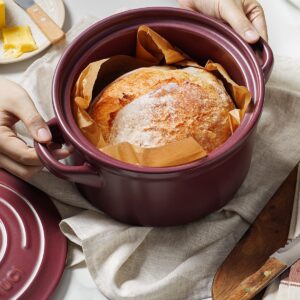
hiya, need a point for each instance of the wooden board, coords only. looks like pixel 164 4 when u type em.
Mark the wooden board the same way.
pixel 266 235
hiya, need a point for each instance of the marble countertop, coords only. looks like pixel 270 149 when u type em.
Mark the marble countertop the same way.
pixel 283 18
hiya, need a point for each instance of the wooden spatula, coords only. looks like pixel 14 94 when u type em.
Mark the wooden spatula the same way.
pixel 249 268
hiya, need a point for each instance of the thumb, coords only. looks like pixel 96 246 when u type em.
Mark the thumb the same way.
pixel 236 17
pixel 37 127
pixel 19 104
pixel 33 121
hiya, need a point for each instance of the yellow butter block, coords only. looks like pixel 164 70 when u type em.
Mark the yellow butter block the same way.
pixel 2 14
pixel 17 40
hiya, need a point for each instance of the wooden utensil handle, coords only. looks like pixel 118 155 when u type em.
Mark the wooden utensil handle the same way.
pixel 253 284
pixel 46 24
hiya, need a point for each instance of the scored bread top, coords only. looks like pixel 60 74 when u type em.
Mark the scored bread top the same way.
pixel 151 107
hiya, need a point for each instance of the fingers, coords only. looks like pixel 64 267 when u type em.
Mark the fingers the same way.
pixel 15 155
pixel 16 149
pixel 234 14
pixel 61 153
pixel 187 4
pixel 19 167
pixel 246 17
pixel 257 17
pixel 21 106
pixel 24 172
pixel 36 126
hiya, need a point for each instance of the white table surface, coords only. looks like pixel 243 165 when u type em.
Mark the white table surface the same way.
pixel 283 20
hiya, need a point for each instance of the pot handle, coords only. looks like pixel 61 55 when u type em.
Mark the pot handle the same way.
pixel 265 57
pixel 83 174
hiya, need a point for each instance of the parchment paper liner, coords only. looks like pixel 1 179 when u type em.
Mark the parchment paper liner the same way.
pixel 151 50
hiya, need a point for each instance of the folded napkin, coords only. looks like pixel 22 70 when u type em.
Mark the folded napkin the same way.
pixel 172 263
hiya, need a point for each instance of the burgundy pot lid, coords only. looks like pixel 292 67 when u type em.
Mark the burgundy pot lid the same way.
pixel 32 248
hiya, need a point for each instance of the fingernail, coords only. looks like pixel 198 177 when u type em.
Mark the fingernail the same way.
pixel 251 36
pixel 43 135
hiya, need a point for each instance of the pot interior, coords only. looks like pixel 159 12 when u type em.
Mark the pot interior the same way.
pixel 198 46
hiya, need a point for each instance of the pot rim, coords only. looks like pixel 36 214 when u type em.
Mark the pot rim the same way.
pixel 85 147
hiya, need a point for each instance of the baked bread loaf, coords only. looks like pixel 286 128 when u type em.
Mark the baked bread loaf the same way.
pixel 151 107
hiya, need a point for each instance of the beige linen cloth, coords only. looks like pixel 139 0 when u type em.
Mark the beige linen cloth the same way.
pixel 173 263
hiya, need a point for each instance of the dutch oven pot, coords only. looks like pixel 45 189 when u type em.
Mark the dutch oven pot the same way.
pixel 147 195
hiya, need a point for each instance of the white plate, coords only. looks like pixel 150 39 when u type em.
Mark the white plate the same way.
pixel 16 16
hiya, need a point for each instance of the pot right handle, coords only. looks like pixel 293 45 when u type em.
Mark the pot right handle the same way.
pixel 83 174
pixel 265 57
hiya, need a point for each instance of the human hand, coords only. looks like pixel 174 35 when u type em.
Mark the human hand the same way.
pixel 15 156
pixel 246 17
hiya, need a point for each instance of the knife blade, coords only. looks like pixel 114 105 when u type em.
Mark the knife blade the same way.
pixel 255 261
pixel 50 29
pixel 290 253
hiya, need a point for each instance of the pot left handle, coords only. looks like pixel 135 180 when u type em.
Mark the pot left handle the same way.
pixel 83 174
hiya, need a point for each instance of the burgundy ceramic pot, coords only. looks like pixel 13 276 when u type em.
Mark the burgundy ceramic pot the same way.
pixel 158 196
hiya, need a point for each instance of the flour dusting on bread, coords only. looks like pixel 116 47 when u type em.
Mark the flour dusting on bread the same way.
pixel 152 107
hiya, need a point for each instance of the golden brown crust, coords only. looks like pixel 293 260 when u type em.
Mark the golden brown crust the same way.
pixel 199 108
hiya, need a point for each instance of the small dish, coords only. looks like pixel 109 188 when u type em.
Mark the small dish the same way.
pixel 15 15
